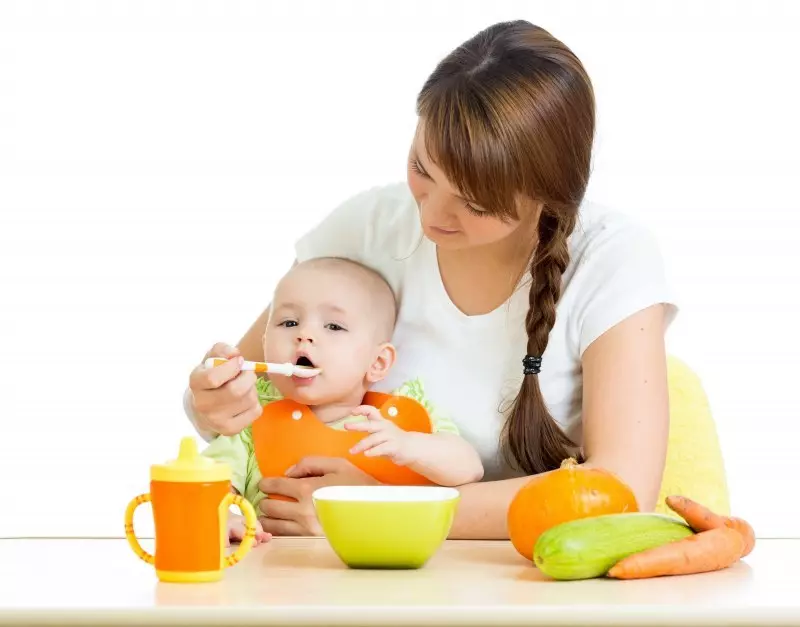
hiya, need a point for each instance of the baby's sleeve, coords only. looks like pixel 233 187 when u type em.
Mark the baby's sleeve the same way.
pixel 267 392
pixel 440 422
pixel 236 451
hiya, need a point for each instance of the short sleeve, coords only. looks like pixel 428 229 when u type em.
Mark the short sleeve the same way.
pixel 267 392
pixel 620 272
pixel 342 233
pixel 378 228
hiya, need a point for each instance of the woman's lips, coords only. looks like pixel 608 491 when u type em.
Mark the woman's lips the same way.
pixel 444 231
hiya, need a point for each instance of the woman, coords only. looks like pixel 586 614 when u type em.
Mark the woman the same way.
pixel 535 319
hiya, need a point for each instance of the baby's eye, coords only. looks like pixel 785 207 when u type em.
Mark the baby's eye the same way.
pixel 332 326
pixel 288 323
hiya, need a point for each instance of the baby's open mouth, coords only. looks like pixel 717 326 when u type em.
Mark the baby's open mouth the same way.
pixel 304 361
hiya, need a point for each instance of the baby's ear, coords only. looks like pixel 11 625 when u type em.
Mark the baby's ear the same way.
pixel 382 363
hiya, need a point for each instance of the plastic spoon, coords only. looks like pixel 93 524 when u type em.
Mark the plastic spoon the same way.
pixel 287 369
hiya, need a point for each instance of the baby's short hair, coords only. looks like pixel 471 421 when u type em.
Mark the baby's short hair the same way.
pixel 379 288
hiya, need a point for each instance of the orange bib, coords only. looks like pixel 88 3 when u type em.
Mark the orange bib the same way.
pixel 287 431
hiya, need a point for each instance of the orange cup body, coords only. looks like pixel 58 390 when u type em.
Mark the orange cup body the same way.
pixel 188 527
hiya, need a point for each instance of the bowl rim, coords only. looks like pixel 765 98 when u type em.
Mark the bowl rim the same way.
pixel 385 494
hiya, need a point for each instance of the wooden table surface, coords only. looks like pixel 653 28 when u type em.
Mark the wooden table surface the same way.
pixel 300 581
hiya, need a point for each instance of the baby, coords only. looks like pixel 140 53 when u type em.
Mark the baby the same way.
pixel 339 316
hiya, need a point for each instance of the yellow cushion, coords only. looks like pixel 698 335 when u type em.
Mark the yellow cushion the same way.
pixel 694 466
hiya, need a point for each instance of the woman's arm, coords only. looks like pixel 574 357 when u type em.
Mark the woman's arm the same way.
pixel 625 416
pixel 626 403
pixel 625 423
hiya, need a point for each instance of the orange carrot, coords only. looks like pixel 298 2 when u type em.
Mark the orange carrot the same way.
pixel 697 516
pixel 744 528
pixel 700 518
pixel 702 552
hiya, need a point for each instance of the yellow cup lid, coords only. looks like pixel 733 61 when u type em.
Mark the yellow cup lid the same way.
pixel 190 466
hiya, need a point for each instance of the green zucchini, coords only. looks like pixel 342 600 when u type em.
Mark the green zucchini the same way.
pixel 589 547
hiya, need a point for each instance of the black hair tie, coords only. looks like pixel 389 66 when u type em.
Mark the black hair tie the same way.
pixel 531 364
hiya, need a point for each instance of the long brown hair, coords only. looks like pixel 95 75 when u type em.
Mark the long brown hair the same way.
pixel 508 114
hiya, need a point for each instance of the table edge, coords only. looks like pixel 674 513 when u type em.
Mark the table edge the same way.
pixel 437 616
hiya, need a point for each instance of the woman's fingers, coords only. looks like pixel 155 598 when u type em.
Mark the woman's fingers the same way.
pixel 203 378
pixel 224 397
pixel 318 467
pixel 238 422
pixel 277 527
pixel 298 517
pixel 242 386
pixel 288 518
pixel 297 489
pixel 331 471
pixel 279 509
pixel 230 399
pixel 220 349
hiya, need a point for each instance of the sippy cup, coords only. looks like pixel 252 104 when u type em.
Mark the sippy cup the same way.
pixel 190 498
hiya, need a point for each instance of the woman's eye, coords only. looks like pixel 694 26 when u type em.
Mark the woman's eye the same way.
pixel 474 210
pixel 416 168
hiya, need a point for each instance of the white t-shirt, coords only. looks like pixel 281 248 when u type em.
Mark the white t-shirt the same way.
pixel 471 366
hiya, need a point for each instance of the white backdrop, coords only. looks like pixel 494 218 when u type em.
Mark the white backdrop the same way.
pixel 158 159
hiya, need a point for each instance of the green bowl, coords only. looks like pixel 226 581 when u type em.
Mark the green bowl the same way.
pixel 385 526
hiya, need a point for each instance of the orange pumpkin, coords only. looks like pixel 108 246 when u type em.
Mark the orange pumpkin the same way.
pixel 287 431
pixel 567 493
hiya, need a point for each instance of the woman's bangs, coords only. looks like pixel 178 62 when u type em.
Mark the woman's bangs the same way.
pixel 462 140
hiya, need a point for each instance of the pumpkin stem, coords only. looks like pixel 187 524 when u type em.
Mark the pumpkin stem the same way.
pixel 569 463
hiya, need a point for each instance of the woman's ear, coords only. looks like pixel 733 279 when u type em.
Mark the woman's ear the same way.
pixel 382 363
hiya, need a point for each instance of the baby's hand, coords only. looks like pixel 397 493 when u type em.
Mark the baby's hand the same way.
pixel 237 528
pixel 386 439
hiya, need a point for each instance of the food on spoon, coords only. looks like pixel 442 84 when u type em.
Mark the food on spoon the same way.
pixel 589 547
pixel 702 552
pixel 568 493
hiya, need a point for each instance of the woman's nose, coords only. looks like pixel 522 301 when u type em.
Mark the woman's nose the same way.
pixel 434 207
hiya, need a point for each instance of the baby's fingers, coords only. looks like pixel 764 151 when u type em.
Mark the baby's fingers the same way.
pixel 372 413
pixel 368 442
pixel 235 534
pixel 261 535
pixel 365 427
pixel 384 449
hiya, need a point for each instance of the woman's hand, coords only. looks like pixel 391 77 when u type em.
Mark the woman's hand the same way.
pixel 287 518
pixel 224 397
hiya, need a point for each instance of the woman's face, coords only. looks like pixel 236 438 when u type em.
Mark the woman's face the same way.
pixel 449 220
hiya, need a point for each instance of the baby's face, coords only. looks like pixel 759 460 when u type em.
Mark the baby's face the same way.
pixel 322 318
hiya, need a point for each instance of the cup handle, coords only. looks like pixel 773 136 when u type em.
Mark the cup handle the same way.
pixel 130 535
pixel 250 523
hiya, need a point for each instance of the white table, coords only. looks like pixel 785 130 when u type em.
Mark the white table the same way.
pixel 300 581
